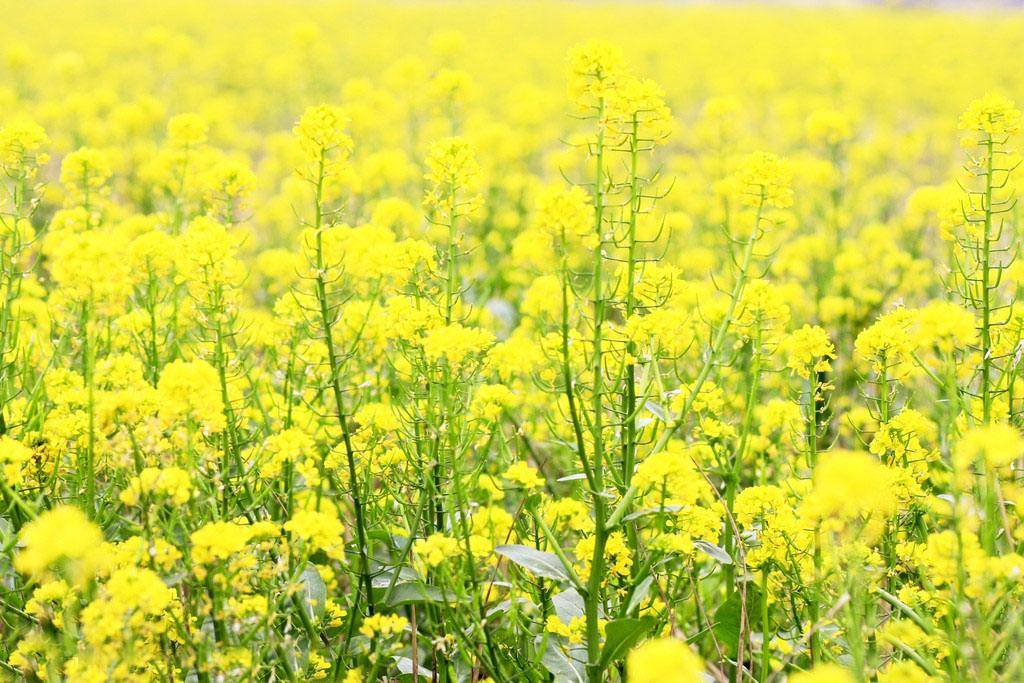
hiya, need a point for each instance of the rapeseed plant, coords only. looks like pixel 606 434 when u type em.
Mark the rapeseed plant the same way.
pixel 357 342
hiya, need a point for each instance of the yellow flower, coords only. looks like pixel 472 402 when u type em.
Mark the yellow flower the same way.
pixel 565 514
pixel 454 177
pixel 321 130
pixel 217 541
pixel 945 326
pixel 887 345
pixel 992 114
pixel 524 474
pixel 617 556
pixel 670 477
pixel 808 350
pixel 320 528
pixel 455 343
pixel 435 548
pixel 21 148
pixel 640 103
pixel 565 212
pixel 60 539
pixel 187 130
pixel 829 127
pixel 173 483
pixel 383 625
pixel 490 401
pixel 190 390
pixel 287 446
pixel 851 486
pixel 207 262
pixel 823 673
pixel 575 631
pixel 765 179
pixel 132 598
pixel 905 672
pixel 84 172
pixel 664 660
pixel 592 69
pixel 995 445
pixel 13 458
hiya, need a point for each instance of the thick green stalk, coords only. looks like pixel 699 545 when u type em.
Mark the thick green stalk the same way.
pixel 332 360
pixel 592 596
pixel 229 439
pixel 567 379
pixel 986 301
pixel 89 362
pixel 766 652
pixel 444 455
pixel 732 476
pixel 629 397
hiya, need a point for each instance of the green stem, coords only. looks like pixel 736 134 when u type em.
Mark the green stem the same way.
pixel 339 405
pixel 592 595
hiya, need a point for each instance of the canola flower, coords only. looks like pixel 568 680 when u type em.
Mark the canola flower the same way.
pixel 338 344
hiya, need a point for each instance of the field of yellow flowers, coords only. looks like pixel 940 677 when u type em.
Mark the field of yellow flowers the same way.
pixel 573 342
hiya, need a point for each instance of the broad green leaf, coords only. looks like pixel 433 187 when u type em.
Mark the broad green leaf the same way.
pixel 621 635
pixel 566 667
pixel 384 578
pixel 314 592
pixel 404 666
pixel 506 605
pixel 716 553
pixel 657 410
pixel 568 605
pixel 652 511
pixel 535 561
pixel 414 592
pixel 639 593
pixel 728 617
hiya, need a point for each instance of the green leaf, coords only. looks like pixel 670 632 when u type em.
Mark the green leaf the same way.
pixel 658 411
pixel 314 592
pixel 664 509
pixel 535 561
pixel 716 553
pixel 506 605
pixel 404 666
pixel 385 577
pixel 568 604
pixel 621 635
pixel 566 667
pixel 415 592
pixel 728 617
pixel 636 598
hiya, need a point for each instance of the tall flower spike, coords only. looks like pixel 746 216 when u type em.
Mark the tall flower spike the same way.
pixel 593 69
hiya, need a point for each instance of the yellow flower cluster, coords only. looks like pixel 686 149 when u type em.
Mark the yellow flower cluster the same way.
pixel 382 626
pixel 14 457
pixel 851 488
pixel 320 528
pixel 994 115
pixel 664 660
pixel 217 541
pixel 172 483
pixel 523 474
pixel 61 541
pixel 765 180
pixel 435 549
pixel 360 341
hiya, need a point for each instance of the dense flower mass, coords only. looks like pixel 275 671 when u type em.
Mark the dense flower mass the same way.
pixel 500 342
